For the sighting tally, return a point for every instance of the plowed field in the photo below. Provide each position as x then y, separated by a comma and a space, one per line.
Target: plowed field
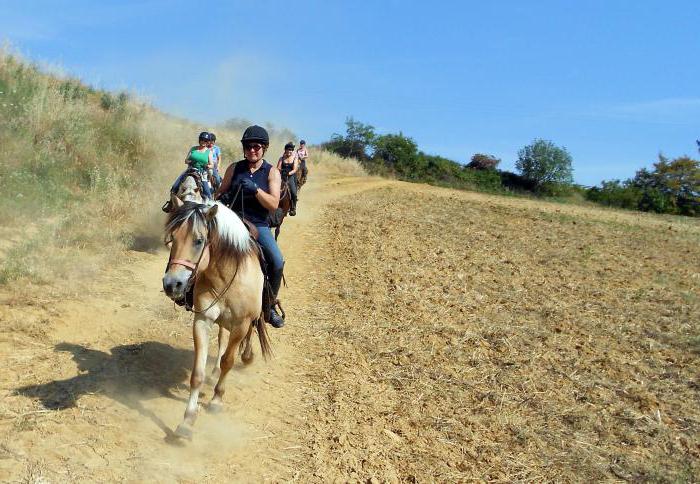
432, 335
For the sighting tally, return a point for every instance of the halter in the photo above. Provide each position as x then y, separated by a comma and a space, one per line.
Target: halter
190, 265
193, 275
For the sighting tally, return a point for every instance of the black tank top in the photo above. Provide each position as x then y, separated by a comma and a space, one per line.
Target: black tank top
287, 167
248, 206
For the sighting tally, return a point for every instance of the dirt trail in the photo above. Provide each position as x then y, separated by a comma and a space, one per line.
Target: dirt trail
96, 385
434, 336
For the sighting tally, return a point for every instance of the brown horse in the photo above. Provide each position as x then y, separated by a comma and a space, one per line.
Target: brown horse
301, 174
285, 204
212, 250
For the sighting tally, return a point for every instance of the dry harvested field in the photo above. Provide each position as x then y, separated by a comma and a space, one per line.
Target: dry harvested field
433, 336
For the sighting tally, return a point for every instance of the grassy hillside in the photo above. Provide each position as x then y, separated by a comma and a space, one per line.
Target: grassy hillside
84, 171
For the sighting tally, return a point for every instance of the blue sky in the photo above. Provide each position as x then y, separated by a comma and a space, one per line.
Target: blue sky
613, 81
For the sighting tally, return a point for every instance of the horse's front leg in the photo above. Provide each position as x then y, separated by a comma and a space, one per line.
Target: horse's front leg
200, 333
223, 342
235, 338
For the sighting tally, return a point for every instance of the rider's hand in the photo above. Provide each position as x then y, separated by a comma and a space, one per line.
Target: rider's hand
249, 187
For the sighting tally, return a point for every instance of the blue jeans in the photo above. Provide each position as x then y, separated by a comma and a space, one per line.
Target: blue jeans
273, 257
206, 189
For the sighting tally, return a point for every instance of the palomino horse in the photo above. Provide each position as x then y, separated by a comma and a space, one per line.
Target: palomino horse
190, 189
285, 204
212, 249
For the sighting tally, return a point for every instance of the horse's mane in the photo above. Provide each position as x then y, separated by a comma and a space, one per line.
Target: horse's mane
229, 238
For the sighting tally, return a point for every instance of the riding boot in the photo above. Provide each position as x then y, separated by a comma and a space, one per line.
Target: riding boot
293, 210
167, 206
275, 319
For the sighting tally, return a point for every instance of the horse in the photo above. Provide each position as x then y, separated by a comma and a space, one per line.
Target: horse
212, 249
285, 205
191, 188
301, 174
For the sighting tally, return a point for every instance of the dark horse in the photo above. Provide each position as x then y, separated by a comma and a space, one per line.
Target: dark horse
301, 175
277, 217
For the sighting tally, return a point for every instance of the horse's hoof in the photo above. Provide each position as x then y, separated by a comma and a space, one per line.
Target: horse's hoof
247, 358
184, 431
215, 408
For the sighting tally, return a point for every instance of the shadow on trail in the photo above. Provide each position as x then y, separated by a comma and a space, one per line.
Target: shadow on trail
128, 374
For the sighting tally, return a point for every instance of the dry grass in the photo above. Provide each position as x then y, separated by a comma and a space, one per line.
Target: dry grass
97, 170
330, 164
465, 337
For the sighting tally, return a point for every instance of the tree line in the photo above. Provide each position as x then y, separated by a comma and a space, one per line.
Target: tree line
543, 169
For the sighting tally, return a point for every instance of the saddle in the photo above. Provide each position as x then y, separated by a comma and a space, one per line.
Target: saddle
197, 175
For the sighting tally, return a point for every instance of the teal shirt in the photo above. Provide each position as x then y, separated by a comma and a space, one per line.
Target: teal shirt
199, 159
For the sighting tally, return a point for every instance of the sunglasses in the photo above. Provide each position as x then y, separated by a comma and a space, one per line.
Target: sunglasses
253, 147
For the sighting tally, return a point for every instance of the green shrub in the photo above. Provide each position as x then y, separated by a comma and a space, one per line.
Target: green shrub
545, 164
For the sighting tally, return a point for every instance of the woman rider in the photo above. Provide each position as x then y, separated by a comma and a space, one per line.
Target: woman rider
288, 166
252, 187
217, 159
199, 158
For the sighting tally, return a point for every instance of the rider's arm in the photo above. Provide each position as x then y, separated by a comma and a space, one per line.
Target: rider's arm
295, 167
271, 200
279, 164
210, 165
225, 183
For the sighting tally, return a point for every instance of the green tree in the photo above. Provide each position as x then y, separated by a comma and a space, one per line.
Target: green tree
400, 154
356, 143
676, 181
545, 164
615, 193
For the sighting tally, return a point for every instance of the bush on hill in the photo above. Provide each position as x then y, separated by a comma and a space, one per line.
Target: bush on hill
547, 165
673, 186
481, 161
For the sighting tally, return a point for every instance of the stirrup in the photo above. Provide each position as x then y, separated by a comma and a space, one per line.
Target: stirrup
167, 206
278, 304
278, 320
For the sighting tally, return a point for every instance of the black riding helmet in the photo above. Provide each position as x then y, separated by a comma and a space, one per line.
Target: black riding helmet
289, 146
204, 136
213, 136
256, 133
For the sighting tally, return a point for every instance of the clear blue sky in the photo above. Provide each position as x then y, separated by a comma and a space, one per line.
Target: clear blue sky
613, 81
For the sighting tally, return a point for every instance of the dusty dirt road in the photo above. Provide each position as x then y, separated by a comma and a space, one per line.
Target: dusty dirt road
433, 336
94, 386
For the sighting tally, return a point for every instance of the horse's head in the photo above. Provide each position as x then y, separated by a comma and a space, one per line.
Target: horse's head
187, 230
190, 190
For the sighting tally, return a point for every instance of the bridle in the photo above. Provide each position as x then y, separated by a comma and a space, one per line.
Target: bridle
193, 266
193, 275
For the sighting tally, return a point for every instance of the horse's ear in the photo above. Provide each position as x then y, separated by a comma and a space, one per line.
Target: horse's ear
211, 213
176, 201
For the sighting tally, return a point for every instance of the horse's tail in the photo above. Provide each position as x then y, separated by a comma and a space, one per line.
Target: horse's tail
264, 339
245, 349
